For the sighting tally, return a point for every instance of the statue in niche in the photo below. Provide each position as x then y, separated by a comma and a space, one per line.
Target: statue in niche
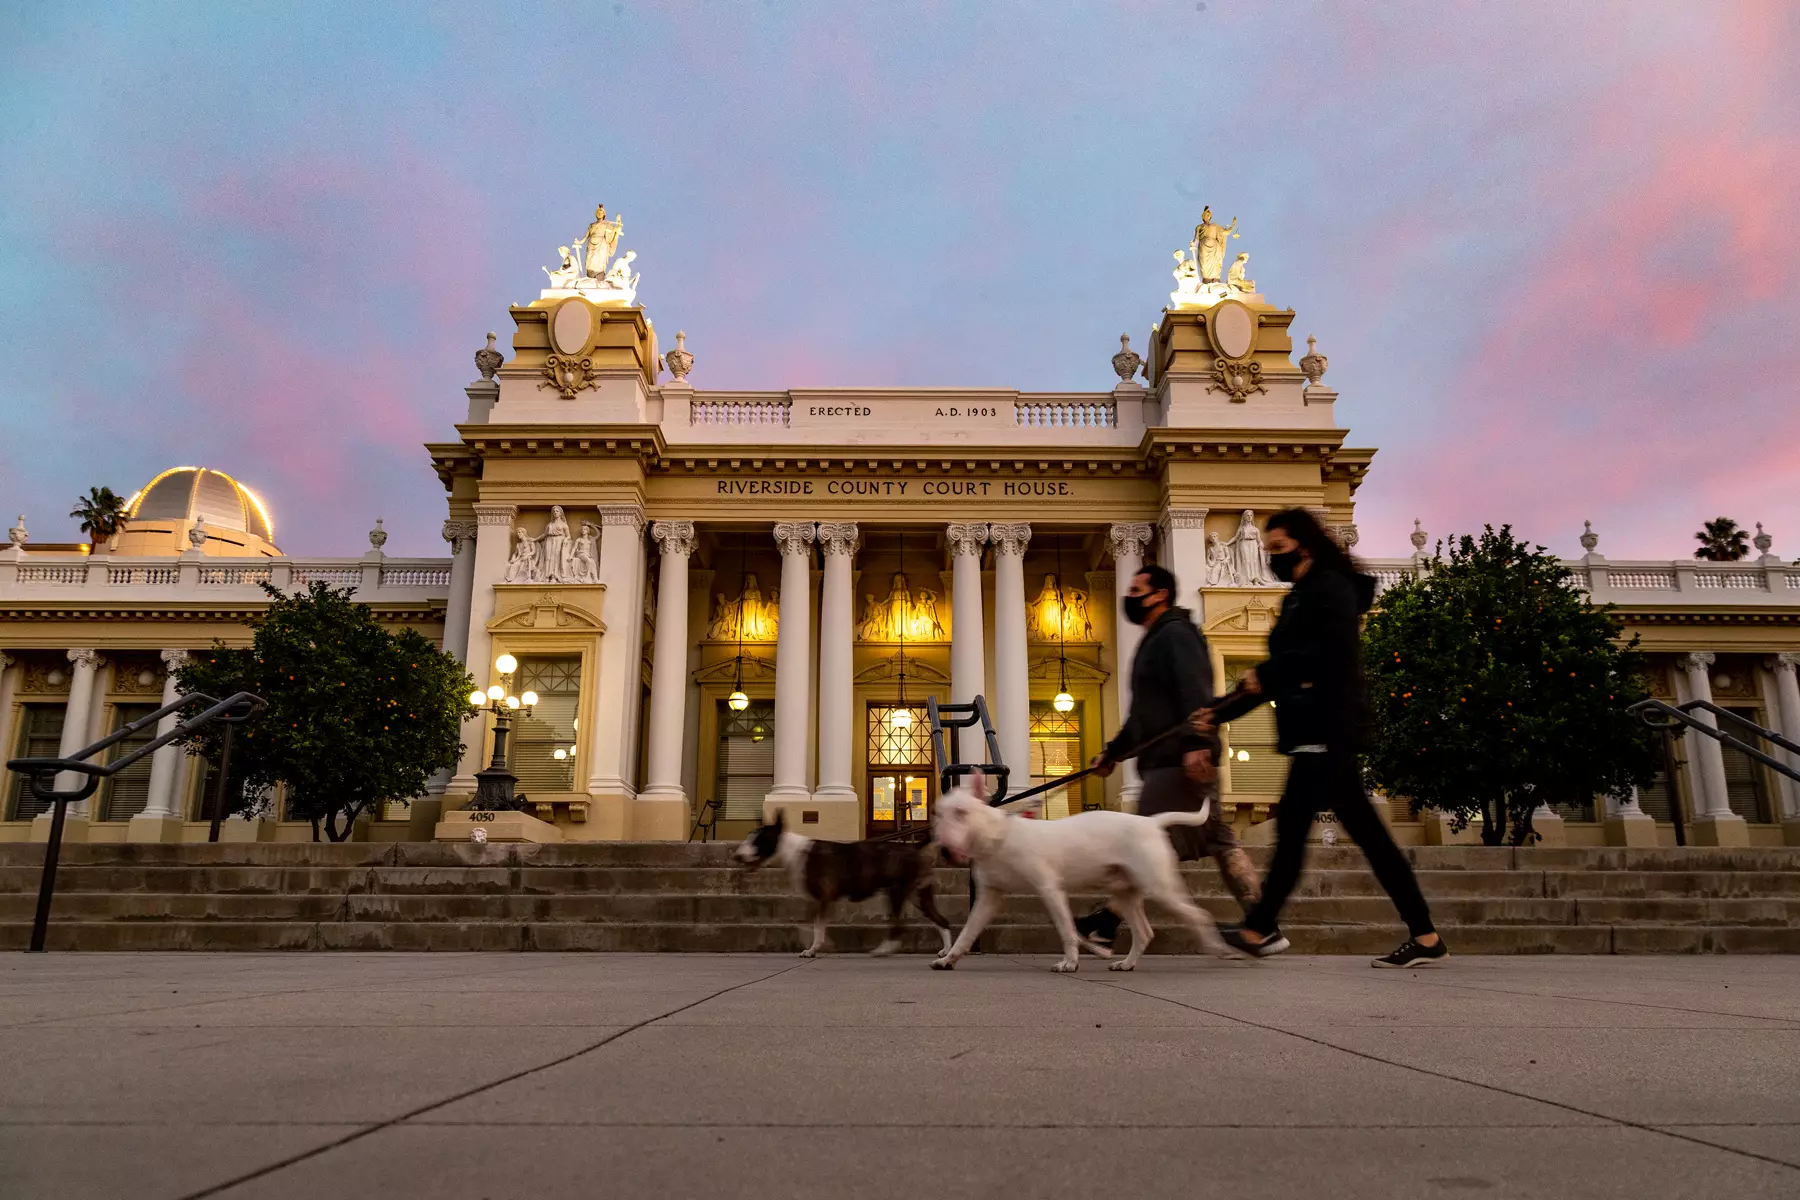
748, 617
601, 236
1251, 566
925, 615
566, 274
901, 616
1209, 245
725, 620
556, 548
525, 565
1220, 570
1058, 614
584, 555
1236, 280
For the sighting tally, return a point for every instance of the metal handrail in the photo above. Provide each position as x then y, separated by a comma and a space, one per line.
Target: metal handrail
41, 775
1679, 718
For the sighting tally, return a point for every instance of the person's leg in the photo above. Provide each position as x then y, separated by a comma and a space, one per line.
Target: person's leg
1360, 821
1239, 874
1300, 801
1166, 789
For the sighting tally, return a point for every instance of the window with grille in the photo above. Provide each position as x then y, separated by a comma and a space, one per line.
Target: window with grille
125, 794
40, 736
899, 742
1256, 767
1661, 798
746, 760
550, 726
1055, 752
1746, 784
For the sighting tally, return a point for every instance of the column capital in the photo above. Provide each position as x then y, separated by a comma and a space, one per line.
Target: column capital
622, 514
1699, 660
840, 538
85, 658
6, 660
495, 514
1787, 661
457, 532
794, 537
1011, 538
1184, 518
174, 660
674, 537
966, 539
1128, 539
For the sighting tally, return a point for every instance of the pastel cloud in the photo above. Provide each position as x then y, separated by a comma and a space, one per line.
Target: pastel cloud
1545, 246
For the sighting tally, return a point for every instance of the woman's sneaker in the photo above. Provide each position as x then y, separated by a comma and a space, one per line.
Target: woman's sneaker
1099, 927
1270, 946
1411, 954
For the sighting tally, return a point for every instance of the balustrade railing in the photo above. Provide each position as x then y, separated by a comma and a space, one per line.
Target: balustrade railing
331, 576
416, 577
1041, 414
130, 579
739, 412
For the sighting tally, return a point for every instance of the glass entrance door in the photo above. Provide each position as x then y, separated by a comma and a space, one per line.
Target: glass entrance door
899, 801
900, 774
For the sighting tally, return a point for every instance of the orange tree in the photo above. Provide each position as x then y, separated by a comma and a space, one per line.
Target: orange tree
1497, 686
356, 716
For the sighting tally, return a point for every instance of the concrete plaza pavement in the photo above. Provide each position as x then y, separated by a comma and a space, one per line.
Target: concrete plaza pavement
510, 1076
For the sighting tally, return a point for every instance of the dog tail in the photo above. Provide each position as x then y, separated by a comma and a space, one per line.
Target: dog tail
1166, 819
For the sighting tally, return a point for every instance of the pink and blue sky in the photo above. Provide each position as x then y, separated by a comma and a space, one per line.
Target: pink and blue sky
1552, 249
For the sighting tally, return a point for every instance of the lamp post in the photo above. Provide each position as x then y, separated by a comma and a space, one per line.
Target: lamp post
494, 785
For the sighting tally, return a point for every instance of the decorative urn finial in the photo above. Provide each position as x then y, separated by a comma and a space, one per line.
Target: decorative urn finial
196, 533
1589, 539
377, 535
1761, 541
678, 360
18, 535
1419, 536
1127, 361
488, 359
1312, 364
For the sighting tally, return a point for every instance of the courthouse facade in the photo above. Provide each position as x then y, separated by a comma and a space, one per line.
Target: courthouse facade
731, 603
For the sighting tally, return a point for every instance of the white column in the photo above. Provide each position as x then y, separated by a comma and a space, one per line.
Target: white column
7, 690
76, 719
1714, 822
662, 811
493, 546
837, 716
159, 807
1625, 822
621, 649
1184, 553
461, 536
1127, 543
1012, 670
968, 659
1787, 694
793, 669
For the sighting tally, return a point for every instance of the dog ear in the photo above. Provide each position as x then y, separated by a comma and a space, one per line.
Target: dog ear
780, 819
978, 785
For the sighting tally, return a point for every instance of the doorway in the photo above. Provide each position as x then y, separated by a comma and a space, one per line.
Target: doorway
901, 778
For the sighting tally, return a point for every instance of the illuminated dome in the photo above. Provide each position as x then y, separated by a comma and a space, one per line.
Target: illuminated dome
162, 512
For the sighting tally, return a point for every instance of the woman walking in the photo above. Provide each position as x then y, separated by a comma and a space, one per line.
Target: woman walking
1314, 678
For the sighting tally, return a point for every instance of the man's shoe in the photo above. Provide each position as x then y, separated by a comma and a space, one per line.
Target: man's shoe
1099, 927
1411, 954
1270, 946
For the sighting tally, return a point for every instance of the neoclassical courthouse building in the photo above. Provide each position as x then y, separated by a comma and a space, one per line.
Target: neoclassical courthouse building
735, 602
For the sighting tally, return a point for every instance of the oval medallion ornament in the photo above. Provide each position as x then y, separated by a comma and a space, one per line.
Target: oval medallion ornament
571, 326
1233, 329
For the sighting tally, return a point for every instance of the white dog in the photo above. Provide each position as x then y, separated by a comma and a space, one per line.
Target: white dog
1128, 855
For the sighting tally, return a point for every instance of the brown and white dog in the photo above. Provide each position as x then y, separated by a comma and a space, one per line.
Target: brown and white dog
833, 871
1127, 855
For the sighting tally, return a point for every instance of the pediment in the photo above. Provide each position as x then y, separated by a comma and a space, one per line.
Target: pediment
754, 667
1253, 616
546, 612
1051, 667
889, 668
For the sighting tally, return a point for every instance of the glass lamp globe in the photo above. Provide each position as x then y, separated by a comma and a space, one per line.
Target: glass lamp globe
737, 701
529, 699
559, 754
1243, 756
478, 698
506, 664
512, 702
902, 718
496, 692
1063, 702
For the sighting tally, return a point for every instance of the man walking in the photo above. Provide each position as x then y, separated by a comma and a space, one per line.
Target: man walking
1171, 678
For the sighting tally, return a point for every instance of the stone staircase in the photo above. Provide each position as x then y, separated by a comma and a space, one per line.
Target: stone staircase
673, 897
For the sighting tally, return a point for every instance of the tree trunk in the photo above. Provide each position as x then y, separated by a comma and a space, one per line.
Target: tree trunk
1493, 822
315, 825
331, 824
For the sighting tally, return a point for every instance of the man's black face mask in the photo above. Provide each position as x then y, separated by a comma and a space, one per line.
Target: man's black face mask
1135, 609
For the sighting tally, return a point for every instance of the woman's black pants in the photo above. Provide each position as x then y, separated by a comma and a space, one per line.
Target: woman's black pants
1333, 780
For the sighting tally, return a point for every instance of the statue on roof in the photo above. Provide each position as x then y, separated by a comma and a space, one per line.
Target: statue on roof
1209, 245
1236, 279
598, 242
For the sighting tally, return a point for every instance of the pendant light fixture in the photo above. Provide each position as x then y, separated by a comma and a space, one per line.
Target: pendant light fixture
738, 701
1063, 702
902, 718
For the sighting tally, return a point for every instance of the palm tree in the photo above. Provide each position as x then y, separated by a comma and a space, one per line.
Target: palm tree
102, 513
1721, 541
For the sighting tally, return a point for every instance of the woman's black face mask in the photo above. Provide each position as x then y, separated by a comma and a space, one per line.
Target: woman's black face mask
1283, 564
